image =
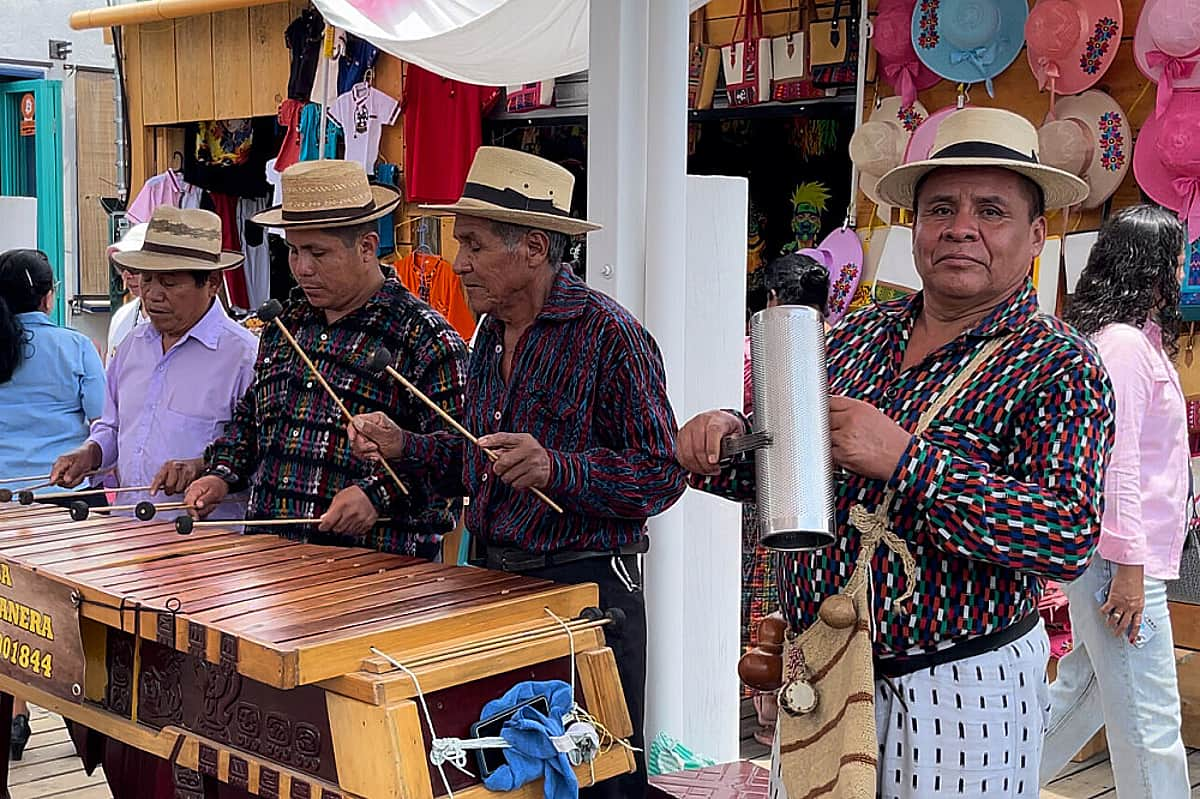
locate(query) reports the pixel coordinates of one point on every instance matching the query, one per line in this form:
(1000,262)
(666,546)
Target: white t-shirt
(276,181)
(123,321)
(362,112)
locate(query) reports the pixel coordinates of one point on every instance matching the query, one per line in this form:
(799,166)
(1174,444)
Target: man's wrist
(223,472)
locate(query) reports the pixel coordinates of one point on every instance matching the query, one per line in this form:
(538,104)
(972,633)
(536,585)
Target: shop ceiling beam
(155,11)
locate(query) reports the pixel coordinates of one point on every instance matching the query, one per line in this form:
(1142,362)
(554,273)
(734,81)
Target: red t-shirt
(443,127)
(289,117)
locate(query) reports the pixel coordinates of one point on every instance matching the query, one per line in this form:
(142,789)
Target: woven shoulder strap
(873,527)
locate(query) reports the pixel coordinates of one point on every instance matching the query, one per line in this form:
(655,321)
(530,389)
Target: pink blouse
(1146,487)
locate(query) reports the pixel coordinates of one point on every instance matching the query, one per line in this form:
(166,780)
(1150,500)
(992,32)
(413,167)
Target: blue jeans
(1133,693)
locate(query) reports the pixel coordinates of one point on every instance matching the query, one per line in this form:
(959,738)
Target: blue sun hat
(968,41)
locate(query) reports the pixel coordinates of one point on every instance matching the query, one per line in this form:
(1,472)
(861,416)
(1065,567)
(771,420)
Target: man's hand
(1122,611)
(698,445)
(175,476)
(522,462)
(863,440)
(204,494)
(69,469)
(375,437)
(350,513)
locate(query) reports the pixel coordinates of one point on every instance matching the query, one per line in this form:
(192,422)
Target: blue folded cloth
(531,753)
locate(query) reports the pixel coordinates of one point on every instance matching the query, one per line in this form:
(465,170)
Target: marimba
(247,658)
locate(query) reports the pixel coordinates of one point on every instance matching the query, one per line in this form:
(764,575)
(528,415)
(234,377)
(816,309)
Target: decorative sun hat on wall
(968,41)
(1089,136)
(1072,43)
(1166,46)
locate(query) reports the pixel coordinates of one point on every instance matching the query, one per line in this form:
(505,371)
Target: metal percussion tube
(791,405)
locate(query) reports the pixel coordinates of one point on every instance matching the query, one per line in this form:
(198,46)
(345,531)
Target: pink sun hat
(1166,46)
(1166,159)
(841,254)
(898,62)
(920,146)
(1072,43)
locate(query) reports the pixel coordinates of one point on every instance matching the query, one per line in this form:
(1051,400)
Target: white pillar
(617,124)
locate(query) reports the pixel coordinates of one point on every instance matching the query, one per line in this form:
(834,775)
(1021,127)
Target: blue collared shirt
(53,394)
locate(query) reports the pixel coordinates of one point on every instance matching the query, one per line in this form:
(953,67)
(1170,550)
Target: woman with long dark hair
(1120,673)
(51,386)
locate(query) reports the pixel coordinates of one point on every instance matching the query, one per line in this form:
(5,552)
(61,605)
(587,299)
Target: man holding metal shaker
(964,438)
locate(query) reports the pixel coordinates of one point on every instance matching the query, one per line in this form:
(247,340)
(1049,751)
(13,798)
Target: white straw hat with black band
(179,240)
(327,194)
(982,137)
(519,188)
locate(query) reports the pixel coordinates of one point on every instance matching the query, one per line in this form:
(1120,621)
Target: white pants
(1131,692)
(971,728)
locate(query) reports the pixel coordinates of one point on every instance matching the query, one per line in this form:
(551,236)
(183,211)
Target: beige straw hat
(180,240)
(522,189)
(326,194)
(980,137)
(1089,135)
(877,147)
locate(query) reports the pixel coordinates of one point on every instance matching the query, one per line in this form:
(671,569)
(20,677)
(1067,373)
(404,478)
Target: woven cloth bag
(827,741)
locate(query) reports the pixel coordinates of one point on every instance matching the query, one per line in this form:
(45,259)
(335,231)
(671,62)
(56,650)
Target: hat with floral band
(968,41)
(841,254)
(1166,159)
(1072,43)
(1166,46)
(898,63)
(1089,136)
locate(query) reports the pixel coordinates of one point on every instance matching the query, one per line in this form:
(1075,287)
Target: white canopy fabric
(487,42)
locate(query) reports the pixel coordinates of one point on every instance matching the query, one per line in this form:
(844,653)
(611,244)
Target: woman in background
(1120,673)
(51,386)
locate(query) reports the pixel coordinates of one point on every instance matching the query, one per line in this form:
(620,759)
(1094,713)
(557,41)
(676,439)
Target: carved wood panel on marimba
(247,658)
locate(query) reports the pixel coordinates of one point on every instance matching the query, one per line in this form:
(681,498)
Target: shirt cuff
(568,473)
(1121,549)
(417,455)
(378,488)
(920,472)
(108,447)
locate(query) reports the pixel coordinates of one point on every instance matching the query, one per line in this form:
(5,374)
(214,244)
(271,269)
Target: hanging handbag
(747,62)
(827,738)
(529,96)
(833,45)
(704,64)
(788,75)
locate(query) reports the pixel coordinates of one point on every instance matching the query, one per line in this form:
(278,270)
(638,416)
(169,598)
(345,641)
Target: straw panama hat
(179,240)
(1089,136)
(981,137)
(327,194)
(519,188)
(878,146)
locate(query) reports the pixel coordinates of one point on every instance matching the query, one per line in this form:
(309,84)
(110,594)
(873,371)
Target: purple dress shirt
(167,406)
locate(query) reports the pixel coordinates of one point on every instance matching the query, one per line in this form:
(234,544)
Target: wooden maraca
(762,667)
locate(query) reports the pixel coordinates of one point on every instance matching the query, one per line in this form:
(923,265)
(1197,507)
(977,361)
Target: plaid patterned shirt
(588,383)
(288,438)
(1004,489)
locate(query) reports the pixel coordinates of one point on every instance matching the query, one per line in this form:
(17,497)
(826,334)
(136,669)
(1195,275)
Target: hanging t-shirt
(432,278)
(168,188)
(303,37)
(226,207)
(310,134)
(227,156)
(362,112)
(443,127)
(330,65)
(254,247)
(289,119)
(276,181)
(358,56)
(387,175)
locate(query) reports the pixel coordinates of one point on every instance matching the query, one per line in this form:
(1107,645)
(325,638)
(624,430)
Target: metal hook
(963,96)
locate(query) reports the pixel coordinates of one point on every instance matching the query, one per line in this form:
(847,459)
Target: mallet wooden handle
(49,483)
(25,479)
(92,491)
(287,334)
(185,524)
(462,430)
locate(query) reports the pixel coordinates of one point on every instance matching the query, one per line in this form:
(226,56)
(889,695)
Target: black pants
(628,644)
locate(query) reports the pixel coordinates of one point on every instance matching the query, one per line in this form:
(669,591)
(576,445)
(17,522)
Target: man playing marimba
(584,385)
(287,440)
(172,384)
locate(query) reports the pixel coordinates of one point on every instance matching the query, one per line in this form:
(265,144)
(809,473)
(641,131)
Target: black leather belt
(893,668)
(511,559)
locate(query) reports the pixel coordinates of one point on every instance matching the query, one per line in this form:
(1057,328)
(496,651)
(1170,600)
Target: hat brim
(1107,170)
(1060,189)
(1153,176)
(386,199)
(143,261)
(534,219)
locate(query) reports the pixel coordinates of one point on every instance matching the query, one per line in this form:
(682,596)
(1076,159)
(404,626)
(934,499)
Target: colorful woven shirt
(288,438)
(588,383)
(1003,490)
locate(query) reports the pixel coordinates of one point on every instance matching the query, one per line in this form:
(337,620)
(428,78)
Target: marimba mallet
(87,492)
(25,479)
(381,361)
(144,510)
(6,495)
(269,312)
(185,524)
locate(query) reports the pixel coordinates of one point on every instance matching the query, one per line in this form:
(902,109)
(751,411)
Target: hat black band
(510,199)
(983,149)
(338,214)
(183,252)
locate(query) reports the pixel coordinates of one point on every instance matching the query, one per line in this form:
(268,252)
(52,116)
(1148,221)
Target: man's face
(490,271)
(973,242)
(330,272)
(174,302)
